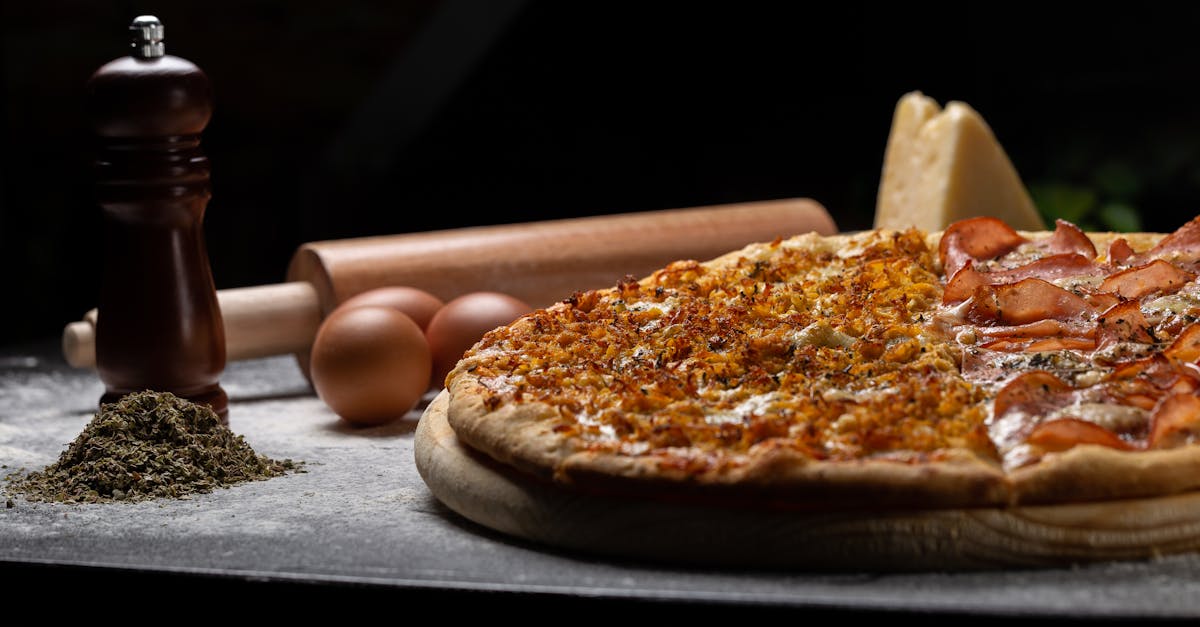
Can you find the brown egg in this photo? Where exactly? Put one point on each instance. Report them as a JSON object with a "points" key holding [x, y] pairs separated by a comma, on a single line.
{"points": [[460, 323], [370, 364], [410, 301]]}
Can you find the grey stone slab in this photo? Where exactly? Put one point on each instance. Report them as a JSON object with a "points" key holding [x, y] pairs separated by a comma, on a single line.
{"points": [[361, 514]]}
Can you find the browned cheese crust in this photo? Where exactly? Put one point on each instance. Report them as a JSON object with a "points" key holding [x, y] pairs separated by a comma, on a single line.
{"points": [[797, 373]]}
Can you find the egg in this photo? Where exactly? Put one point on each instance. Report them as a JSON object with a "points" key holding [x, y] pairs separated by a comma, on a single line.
{"points": [[370, 364], [462, 322], [414, 303]]}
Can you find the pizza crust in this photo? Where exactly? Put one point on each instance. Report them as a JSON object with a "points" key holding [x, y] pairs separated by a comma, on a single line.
{"points": [[513, 434], [1096, 473], [656, 529]]}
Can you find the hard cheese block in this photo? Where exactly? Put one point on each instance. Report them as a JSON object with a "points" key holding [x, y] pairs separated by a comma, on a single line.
{"points": [[945, 165]]}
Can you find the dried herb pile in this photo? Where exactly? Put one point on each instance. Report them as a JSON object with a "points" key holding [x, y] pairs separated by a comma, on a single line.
{"points": [[149, 445]]}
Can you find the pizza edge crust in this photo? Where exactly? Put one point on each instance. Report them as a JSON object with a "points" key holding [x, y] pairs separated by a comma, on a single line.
{"points": [[1090, 472]]}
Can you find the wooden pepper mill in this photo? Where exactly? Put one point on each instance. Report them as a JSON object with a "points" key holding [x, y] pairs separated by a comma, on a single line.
{"points": [[159, 325]]}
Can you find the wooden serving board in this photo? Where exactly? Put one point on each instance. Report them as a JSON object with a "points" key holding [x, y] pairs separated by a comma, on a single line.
{"points": [[950, 539]]}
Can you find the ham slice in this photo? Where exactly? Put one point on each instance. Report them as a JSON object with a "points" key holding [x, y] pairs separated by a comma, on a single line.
{"points": [[1036, 391], [1155, 369], [1061, 343], [1175, 421], [1119, 252], [1008, 345], [1041, 329], [1023, 302], [1026, 345], [1182, 245], [1154, 277], [1048, 268], [975, 239], [1143, 382], [1102, 301], [1067, 239], [1186, 347], [1061, 434], [1124, 323], [963, 283]]}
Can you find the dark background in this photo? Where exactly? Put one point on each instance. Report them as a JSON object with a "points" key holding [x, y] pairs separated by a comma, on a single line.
{"points": [[357, 118]]}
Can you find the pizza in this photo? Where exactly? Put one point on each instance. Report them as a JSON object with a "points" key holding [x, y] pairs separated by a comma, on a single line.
{"points": [[975, 366]]}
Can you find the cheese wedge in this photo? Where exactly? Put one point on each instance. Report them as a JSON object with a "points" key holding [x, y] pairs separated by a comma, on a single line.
{"points": [[946, 165]]}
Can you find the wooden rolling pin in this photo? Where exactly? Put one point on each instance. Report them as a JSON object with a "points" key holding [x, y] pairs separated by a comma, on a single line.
{"points": [[538, 262]]}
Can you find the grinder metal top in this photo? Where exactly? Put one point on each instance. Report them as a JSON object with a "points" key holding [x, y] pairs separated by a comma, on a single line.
{"points": [[147, 33]]}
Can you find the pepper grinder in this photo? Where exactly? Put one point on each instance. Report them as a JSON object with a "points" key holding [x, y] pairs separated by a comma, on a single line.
{"points": [[159, 325]]}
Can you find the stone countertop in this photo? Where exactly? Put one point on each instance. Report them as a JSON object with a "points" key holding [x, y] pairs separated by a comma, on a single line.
{"points": [[361, 516]]}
